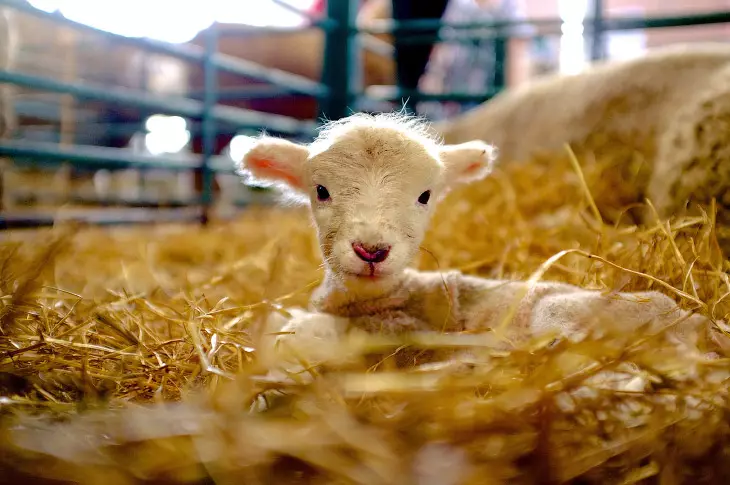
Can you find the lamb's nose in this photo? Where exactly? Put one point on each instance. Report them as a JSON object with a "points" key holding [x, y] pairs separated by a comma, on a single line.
{"points": [[371, 254]]}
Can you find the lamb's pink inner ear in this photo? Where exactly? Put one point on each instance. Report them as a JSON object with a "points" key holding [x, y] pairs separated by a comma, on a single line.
{"points": [[267, 168], [475, 167], [467, 162], [273, 160]]}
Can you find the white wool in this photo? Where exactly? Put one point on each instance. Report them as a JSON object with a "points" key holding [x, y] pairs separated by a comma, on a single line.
{"points": [[670, 106]]}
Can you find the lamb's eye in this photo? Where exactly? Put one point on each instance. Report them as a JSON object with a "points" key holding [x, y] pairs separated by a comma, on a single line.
{"points": [[322, 193], [423, 198]]}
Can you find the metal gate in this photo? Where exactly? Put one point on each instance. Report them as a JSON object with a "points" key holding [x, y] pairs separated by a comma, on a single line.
{"points": [[339, 92]]}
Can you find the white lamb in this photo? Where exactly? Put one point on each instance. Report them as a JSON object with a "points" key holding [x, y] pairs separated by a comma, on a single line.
{"points": [[372, 183], [670, 106]]}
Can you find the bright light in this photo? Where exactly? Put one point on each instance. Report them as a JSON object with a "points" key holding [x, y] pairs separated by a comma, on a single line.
{"points": [[572, 29], [572, 53], [49, 6], [572, 11], [173, 21], [238, 147], [265, 13], [167, 134], [165, 123], [626, 44], [165, 20], [572, 43]]}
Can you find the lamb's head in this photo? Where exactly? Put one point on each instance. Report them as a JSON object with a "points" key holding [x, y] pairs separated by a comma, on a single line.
{"points": [[372, 182]]}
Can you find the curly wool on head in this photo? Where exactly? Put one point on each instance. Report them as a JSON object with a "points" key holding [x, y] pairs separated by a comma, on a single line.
{"points": [[407, 125]]}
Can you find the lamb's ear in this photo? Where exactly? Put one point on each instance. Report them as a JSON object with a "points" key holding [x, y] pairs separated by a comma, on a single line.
{"points": [[275, 161], [467, 162]]}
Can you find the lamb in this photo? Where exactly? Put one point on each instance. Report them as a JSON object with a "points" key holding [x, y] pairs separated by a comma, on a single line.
{"points": [[372, 182], [670, 106]]}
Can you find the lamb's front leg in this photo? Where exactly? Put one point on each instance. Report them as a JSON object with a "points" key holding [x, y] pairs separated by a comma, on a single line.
{"points": [[306, 338]]}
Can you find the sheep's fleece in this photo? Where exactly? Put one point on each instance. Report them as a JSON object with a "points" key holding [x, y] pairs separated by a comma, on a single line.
{"points": [[372, 158], [670, 106]]}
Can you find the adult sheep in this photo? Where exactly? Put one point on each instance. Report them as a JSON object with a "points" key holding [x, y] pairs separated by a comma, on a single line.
{"points": [[671, 107]]}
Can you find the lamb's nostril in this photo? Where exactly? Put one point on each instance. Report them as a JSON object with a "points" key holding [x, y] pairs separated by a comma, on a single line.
{"points": [[371, 255]]}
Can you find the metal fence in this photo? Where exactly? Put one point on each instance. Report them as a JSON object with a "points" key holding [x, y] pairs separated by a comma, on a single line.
{"points": [[339, 92]]}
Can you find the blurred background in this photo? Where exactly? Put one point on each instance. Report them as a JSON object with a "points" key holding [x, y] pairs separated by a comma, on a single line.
{"points": [[132, 111]]}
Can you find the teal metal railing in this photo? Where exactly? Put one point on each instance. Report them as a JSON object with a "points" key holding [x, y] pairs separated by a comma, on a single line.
{"points": [[212, 115], [339, 70], [595, 27], [339, 92], [210, 100]]}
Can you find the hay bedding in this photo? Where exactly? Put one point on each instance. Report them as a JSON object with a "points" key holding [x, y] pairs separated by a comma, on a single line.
{"points": [[129, 356]]}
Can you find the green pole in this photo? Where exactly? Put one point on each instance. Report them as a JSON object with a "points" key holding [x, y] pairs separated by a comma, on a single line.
{"points": [[208, 120], [597, 47], [338, 67]]}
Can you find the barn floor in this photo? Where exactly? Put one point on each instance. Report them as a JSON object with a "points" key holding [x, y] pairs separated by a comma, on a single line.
{"points": [[112, 317]]}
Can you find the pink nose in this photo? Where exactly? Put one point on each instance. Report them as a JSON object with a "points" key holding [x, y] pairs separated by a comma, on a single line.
{"points": [[371, 254]]}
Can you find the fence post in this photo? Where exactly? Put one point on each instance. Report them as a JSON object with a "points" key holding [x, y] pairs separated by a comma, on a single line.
{"points": [[210, 99], [500, 60], [337, 66], [597, 47]]}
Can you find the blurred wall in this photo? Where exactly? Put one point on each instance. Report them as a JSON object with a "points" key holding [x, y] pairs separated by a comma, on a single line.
{"points": [[654, 37], [295, 52], [545, 52], [49, 49], [659, 37]]}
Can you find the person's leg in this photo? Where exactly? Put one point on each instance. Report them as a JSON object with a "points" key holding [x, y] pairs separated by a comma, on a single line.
{"points": [[411, 59]]}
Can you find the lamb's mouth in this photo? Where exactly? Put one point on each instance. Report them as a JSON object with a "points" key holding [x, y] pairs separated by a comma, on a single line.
{"points": [[371, 272], [368, 277]]}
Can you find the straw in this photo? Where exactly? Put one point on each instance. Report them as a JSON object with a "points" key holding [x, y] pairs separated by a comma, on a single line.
{"points": [[132, 355]]}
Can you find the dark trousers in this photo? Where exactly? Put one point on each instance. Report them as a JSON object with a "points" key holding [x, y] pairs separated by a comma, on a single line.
{"points": [[411, 59]]}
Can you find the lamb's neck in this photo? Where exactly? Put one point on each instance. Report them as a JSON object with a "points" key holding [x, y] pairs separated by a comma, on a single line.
{"points": [[354, 297]]}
